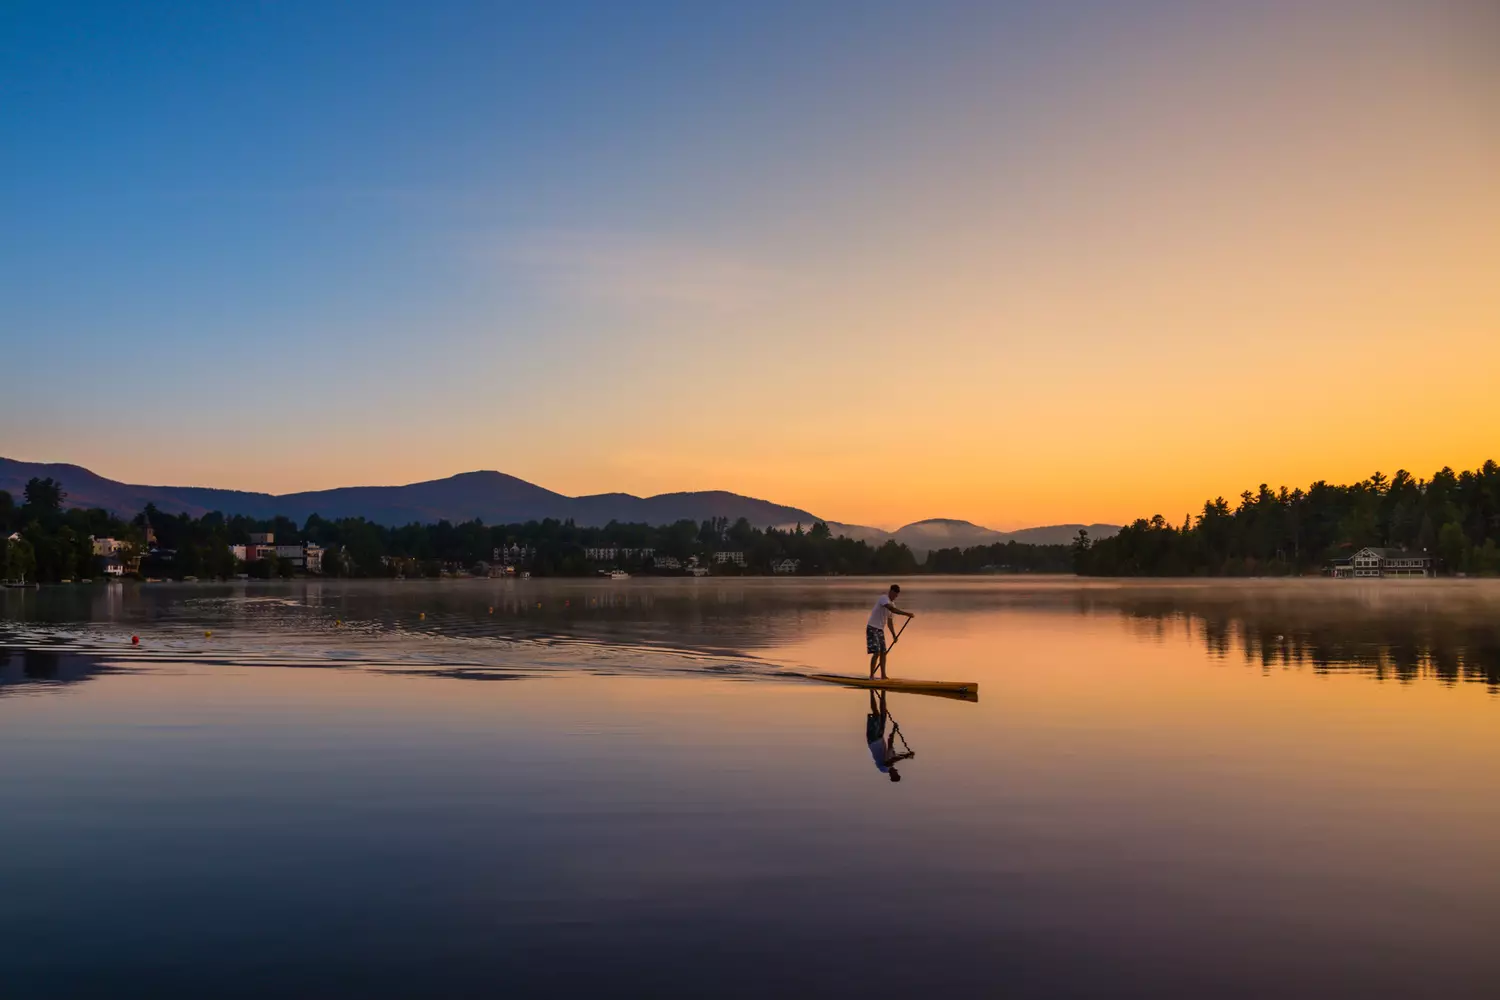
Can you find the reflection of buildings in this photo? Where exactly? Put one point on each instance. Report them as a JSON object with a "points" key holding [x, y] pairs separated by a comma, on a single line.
{"points": [[1378, 562]]}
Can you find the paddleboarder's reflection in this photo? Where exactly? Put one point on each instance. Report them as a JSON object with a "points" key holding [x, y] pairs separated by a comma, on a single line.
{"points": [[883, 747]]}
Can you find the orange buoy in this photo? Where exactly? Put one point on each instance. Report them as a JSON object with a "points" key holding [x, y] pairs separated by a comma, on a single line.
{"points": [[135, 640], [207, 634], [492, 610], [422, 615]]}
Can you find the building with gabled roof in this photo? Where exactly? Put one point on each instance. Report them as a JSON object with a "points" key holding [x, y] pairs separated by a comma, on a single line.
{"points": [[1375, 562]]}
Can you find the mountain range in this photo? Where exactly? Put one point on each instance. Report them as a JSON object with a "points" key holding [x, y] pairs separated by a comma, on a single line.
{"points": [[946, 533], [497, 498]]}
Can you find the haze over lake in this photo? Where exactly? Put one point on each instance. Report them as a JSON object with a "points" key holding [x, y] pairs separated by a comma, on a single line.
{"points": [[1269, 788]]}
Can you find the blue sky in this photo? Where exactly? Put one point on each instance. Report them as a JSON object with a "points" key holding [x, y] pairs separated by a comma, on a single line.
{"points": [[746, 246]]}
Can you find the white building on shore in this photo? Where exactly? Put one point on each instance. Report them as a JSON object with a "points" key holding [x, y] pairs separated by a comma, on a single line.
{"points": [[106, 546], [307, 556], [1372, 562]]}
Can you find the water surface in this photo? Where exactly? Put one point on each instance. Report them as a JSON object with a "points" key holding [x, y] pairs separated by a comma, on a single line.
{"points": [[546, 787]]}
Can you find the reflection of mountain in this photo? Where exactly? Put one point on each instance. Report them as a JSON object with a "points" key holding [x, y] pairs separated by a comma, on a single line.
{"points": [[1402, 635], [44, 667]]}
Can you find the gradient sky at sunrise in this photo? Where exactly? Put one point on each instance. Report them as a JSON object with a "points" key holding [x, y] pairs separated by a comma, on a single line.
{"points": [[1014, 263]]}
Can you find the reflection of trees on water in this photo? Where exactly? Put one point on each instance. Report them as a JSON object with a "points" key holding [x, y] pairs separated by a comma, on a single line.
{"points": [[26, 669], [1447, 631], [1405, 638]]}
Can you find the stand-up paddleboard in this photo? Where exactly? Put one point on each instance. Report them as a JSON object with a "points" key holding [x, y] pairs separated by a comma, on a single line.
{"points": [[967, 690]]}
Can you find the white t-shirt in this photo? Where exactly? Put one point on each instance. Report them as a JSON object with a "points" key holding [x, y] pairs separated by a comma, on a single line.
{"points": [[881, 614]]}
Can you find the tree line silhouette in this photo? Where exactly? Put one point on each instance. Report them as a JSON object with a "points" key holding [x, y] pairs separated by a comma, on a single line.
{"points": [[1453, 517], [53, 543]]}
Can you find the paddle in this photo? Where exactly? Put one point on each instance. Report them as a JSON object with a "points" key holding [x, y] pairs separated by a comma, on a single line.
{"points": [[897, 637]]}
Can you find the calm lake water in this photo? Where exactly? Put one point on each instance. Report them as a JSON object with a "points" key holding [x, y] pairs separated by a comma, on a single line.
{"points": [[1270, 789]]}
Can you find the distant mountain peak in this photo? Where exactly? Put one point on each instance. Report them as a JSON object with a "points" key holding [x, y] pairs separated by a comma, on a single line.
{"points": [[497, 498]]}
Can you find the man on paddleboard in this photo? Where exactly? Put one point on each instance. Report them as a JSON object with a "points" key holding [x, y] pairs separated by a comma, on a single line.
{"points": [[882, 618]]}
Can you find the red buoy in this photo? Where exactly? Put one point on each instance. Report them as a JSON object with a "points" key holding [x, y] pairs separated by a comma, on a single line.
{"points": [[135, 640]]}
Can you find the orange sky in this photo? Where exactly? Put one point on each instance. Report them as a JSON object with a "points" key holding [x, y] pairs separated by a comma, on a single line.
{"points": [[1095, 269]]}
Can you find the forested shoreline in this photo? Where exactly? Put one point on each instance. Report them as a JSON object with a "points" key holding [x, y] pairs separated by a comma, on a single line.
{"points": [[1453, 517], [54, 544]]}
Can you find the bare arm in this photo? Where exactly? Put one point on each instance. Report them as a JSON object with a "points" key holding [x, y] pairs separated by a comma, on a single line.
{"points": [[891, 756], [897, 611]]}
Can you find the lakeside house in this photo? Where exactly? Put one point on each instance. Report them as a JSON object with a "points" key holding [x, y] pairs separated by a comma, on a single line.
{"points": [[786, 566], [1374, 562], [609, 553], [511, 555], [106, 546], [112, 553], [720, 558], [308, 556], [666, 562]]}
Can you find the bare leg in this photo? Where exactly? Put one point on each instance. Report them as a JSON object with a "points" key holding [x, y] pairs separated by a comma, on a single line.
{"points": [[882, 667], [874, 662]]}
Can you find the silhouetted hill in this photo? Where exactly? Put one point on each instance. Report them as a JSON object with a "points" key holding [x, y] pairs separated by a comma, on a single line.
{"points": [[945, 533], [1061, 534], [496, 498], [492, 497]]}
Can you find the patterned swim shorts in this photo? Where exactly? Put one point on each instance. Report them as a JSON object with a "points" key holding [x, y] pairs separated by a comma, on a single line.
{"points": [[874, 640]]}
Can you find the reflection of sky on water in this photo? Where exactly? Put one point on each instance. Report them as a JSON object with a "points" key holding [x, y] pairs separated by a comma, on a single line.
{"points": [[1124, 812]]}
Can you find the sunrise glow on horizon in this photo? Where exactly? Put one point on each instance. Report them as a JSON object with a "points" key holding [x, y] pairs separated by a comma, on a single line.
{"points": [[1008, 262]]}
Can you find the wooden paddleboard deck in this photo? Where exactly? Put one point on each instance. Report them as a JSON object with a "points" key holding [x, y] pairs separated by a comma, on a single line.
{"points": [[967, 690]]}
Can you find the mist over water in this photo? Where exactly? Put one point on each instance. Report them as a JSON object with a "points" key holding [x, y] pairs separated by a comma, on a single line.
{"points": [[385, 789]]}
